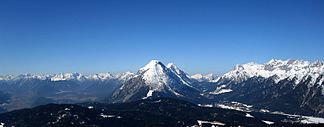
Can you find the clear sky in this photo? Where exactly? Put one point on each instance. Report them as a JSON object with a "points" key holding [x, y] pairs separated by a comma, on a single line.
{"points": [[205, 36]]}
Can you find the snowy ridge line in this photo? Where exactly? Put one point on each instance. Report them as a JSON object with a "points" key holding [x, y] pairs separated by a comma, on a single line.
{"points": [[279, 70], [68, 76]]}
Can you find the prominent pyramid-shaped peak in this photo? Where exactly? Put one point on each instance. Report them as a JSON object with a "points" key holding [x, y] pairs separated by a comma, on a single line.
{"points": [[155, 72], [153, 64], [156, 80]]}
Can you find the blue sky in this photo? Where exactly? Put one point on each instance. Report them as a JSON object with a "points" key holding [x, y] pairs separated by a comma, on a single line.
{"points": [[210, 36]]}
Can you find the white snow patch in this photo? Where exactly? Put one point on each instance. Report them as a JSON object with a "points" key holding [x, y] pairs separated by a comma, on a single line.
{"points": [[312, 120], [2, 124], [268, 122], [249, 115], [200, 122], [236, 106], [264, 110], [109, 116], [90, 107], [229, 107], [221, 91], [149, 94], [158, 101], [303, 119], [205, 105], [245, 105], [62, 91], [106, 116]]}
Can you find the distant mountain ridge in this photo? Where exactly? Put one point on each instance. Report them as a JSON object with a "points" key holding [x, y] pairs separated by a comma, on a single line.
{"points": [[279, 69], [67, 76]]}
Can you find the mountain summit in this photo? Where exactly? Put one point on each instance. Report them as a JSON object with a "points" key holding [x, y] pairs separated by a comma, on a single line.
{"points": [[289, 69], [155, 74], [291, 86], [156, 80]]}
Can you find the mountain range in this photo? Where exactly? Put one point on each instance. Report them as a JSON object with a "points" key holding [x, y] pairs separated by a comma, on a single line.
{"points": [[290, 86]]}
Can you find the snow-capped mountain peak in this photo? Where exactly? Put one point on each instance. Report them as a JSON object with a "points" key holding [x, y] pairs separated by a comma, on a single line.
{"points": [[275, 61], [153, 64], [156, 80], [125, 76], [281, 69], [67, 76], [159, 77], [155, 73], [29, 76], [101, 76]]}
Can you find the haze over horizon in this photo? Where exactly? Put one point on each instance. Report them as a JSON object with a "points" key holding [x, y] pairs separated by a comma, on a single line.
{"points": [[119, 36]]}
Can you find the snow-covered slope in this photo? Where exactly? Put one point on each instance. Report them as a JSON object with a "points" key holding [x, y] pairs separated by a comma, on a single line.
{"points": [[160, 77], [293, 86], [278, 69], [156, 80], [155, 74], [181, 74]]}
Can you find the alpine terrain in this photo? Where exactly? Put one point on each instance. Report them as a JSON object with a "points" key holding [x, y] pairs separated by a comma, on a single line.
{"points": [[276, 93]]}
